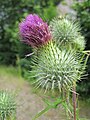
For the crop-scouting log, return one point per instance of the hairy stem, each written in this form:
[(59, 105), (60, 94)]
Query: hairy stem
[(74, 101)]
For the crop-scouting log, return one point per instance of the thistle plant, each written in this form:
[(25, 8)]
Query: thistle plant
[(7, 105), (58, 59)]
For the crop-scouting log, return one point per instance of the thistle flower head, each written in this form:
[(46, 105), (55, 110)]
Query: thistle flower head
[(7, 105), (56, 69), (34, 31)]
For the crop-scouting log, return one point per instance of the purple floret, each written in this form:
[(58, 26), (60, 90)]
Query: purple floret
[(34, 31)]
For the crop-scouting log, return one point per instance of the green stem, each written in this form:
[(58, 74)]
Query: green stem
[(50, 106), (86, 60), (42, 112)]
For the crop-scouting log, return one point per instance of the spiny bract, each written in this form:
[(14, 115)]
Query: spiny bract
[(56, 69), (7, 104), (66, 33)]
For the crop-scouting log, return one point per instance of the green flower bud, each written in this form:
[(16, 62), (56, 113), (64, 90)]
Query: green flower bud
[(67, 33), (55, 68), (7, 105)]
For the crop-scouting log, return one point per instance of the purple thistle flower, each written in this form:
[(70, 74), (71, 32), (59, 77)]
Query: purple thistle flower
[(34, 31)]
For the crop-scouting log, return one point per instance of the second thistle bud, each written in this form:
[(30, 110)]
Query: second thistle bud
[(67, 33)]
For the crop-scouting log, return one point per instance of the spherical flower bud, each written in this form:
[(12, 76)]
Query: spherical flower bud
[(56, 69), (66, 33), (7, 105), (34, 31)]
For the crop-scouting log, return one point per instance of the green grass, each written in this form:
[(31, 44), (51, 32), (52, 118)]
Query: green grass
[(9, 70), (10, 78)]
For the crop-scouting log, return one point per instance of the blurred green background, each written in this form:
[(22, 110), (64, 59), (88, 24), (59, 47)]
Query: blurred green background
[(12, 51)]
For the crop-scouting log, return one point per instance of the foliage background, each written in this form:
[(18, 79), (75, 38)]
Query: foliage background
[(83, 17), (11, 13)]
